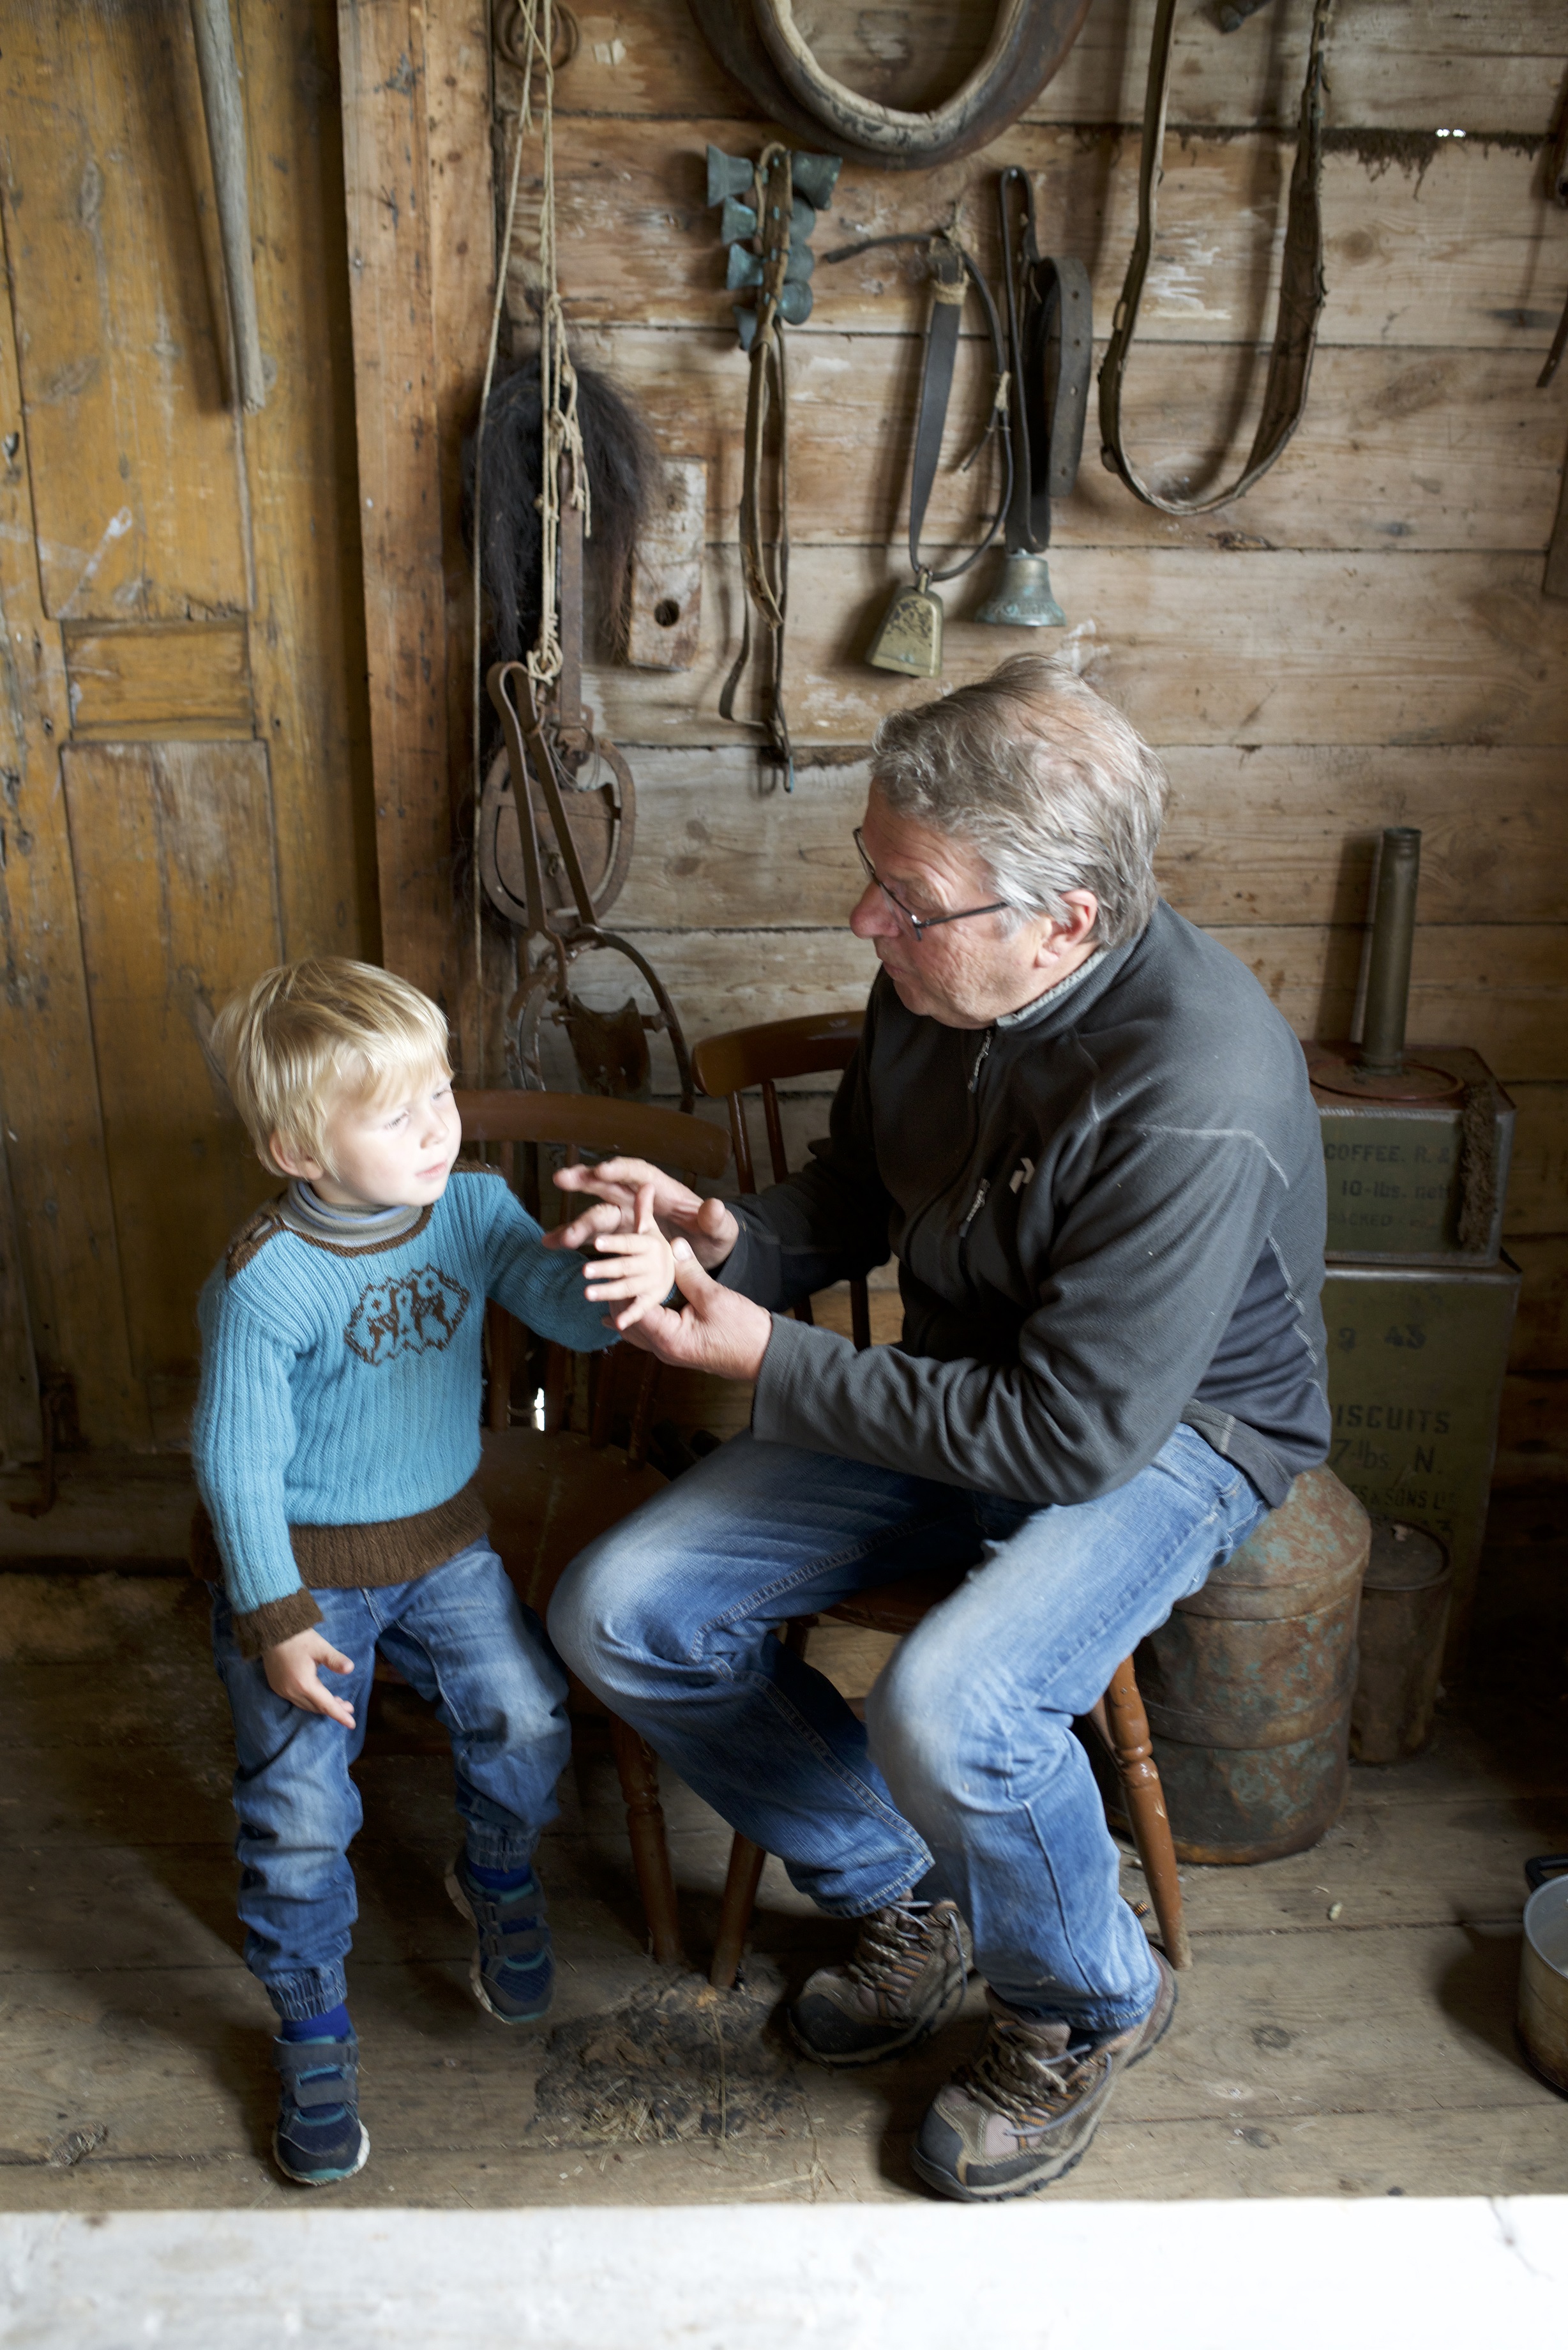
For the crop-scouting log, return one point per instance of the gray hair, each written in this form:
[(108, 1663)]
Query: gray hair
[(1052, 785)]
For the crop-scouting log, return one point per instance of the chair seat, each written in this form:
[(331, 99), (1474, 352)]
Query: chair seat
[(550, 1496), (898, 1607)]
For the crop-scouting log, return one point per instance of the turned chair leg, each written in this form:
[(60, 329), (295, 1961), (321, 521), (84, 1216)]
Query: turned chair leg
[(639, 1767), (747, 1861), (1124, 1725)]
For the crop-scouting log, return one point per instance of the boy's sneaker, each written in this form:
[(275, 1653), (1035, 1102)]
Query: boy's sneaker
[(1021, 2115), (513, 1973), (905, 1982), (319, 2137)]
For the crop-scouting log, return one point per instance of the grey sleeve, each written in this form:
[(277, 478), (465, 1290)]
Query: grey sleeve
[(826, 1223), (1146, 1266)]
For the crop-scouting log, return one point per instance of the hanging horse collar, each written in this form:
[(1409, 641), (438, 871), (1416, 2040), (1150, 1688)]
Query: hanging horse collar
[(764, 51), (1300, 281)]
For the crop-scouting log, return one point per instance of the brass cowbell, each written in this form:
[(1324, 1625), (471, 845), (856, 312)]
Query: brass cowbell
[(910, 636), (1022, 597)]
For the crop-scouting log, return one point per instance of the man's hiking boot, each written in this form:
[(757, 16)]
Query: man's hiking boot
[(513, 1973), (905, 1982), (319, 2137), (1022, 2113)]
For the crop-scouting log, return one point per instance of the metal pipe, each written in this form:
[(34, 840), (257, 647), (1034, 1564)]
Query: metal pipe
[(1393, 936), (220, 73)]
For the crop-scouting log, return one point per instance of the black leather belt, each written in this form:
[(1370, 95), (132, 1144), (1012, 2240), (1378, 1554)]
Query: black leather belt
[(1051, 345)]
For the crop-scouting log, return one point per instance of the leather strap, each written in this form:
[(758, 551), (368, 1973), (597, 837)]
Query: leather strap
[(766, 572), (1051, 346), (1301, 280), (953, 273)]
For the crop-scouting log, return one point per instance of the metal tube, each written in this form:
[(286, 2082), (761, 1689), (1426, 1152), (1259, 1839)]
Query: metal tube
[(220, 74), (1393, 936)]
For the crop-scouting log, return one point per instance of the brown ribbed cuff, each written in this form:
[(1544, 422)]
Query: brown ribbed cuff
[(262, 1627)]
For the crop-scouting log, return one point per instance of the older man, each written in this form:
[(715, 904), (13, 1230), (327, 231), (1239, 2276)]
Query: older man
[(1086, 1136)]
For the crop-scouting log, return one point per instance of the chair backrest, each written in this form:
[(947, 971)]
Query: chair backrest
[(594, 1122), (762, 1057), (578, 1122)]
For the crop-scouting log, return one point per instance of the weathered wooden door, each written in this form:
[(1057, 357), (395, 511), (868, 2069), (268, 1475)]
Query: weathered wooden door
[(182, 727)]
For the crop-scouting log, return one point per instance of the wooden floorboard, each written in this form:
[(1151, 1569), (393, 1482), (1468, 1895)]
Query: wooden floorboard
[(1367, 2053)]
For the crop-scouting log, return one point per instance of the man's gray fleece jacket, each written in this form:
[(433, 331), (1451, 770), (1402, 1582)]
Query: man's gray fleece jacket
[(1108, 1212)]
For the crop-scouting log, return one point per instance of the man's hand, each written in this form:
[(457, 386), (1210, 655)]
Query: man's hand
[(290, 1668), (618, 1184), (717, 1330), (637, 1266)]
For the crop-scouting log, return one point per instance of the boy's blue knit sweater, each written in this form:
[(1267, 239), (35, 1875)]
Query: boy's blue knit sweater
[(340, 1386)]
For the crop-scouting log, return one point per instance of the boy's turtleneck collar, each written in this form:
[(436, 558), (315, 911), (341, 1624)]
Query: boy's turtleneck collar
[(348, 1227)]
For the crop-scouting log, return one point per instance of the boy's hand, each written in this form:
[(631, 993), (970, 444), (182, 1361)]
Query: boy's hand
[(715, 1331), (641, 1266), (619, 1183), (290, 1670)]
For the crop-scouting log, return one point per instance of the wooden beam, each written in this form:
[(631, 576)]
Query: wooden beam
[(387, 193), (639, 247), (1198, 645), (1423, 450), (307, 630), (1498, 987), (463, 247), (1491, 69), (1272, 835)]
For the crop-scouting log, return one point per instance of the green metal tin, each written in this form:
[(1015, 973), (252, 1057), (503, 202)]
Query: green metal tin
[(1415, 1359), (1421, 1181)]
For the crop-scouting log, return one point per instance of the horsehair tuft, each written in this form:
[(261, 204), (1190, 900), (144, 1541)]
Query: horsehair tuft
[(623, 467)]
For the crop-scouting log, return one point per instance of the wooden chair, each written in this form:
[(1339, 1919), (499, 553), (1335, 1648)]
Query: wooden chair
[(762, 1057), (550, 1491)]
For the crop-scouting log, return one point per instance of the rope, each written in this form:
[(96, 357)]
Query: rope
[(561, 437)]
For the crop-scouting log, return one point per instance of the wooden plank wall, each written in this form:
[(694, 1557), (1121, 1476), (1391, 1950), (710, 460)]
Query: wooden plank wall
[(1362, 641)]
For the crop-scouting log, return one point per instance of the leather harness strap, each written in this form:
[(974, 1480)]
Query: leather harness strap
[(1300, 281), (1051, 346), (767, 403), (953, 273)]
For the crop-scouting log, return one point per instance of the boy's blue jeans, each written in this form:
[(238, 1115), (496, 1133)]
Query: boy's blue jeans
[(462, 1637), (967, 1771)]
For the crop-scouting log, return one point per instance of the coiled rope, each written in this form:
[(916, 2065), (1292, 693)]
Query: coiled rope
[(533, 40)]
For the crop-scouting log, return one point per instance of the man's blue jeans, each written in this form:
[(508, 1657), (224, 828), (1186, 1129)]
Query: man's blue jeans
[(967, 1771), (460, 1635)]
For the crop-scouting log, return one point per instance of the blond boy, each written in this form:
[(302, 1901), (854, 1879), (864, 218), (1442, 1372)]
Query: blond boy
[(335, 1439)]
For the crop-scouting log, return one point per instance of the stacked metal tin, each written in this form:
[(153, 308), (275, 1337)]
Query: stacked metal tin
[(1419, 1299)]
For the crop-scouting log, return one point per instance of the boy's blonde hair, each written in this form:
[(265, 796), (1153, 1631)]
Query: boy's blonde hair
[(311, 1031)]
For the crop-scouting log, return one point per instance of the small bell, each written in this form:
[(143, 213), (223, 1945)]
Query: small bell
[(910, 636), (1024, 597)]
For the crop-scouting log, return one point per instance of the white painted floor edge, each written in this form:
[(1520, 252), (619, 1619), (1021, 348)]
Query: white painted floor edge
[(1292, 2275)]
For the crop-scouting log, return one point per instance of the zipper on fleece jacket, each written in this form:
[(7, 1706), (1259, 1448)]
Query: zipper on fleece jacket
[(975, 1205)]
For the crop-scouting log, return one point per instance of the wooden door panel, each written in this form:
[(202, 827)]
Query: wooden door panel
[(118, 289), (53, 1132), (173, 852)]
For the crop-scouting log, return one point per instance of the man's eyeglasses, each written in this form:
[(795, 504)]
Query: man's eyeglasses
[(920, 922)]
